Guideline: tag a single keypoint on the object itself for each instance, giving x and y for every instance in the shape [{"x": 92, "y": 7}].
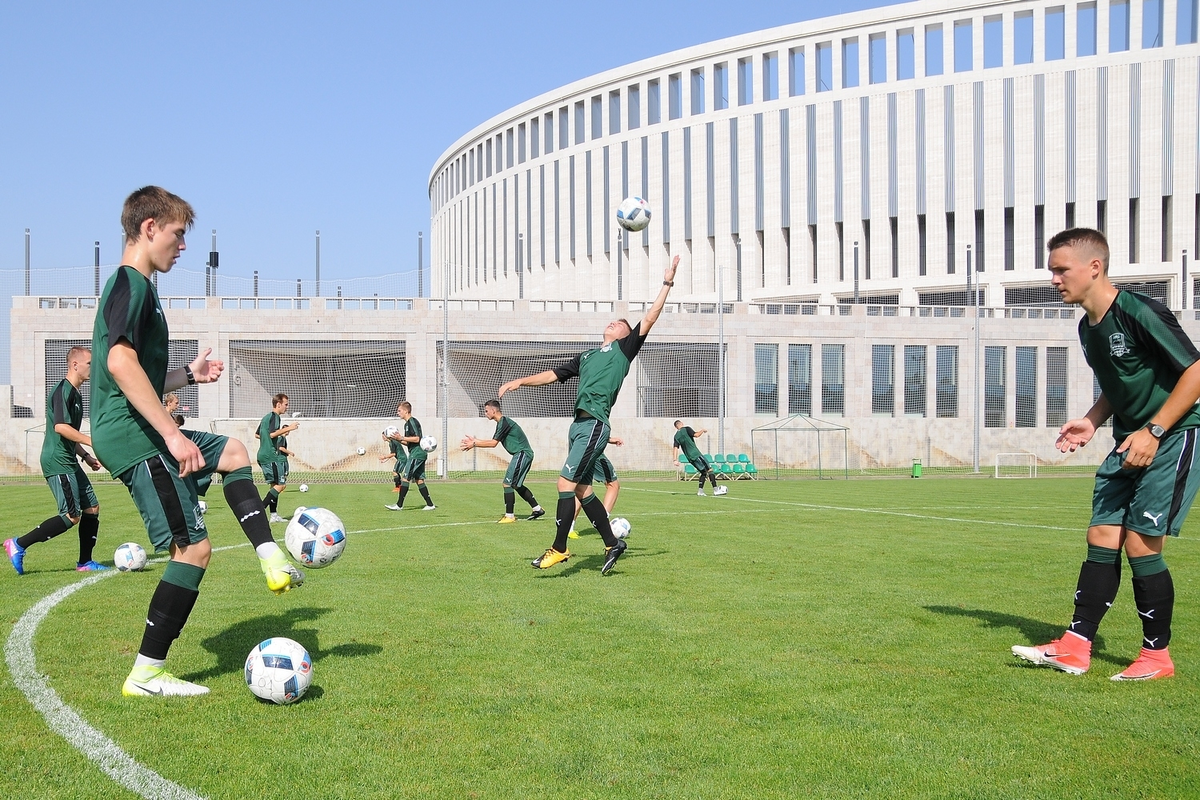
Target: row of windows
[
  {"x": 912, "y": 393},
  {"x": 529, "y": 139}
]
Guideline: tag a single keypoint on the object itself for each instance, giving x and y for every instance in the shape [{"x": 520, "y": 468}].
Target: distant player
[
  {"x": 138, "y": 441},
  {"x": 61, "y": 449},
  {"x": 273, "y": 463},
  {"x": 509, "y": 434},
  {"x": 414, "y": 469},
  {"x": 600, "y": 372},
  {"x": 685, "y": 441},
  {"x": 395, "y": 452},
  {"x": 606, "y": 473},
  {"x": 1149, "y": 376}
]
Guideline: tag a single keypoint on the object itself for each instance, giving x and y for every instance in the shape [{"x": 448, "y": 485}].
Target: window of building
[
  {"x": 580, "y": 123},
  {"x": 993, "y": 42},
  {"x": 1023, "y": 37},
  {"x": 833, "y": 379},
  {"x": 905, "y": 55},
  {"x": 1070, "y": 213},
  {"x": 597, "y": 117},
  {"x": 1010, "y": 240},
  {"x": 849, "y": 63},
  {"x": 720, "y": 86},
  {"x": 894, "y": 224},
  {"x": 487, "y": 157},
  {"x": 1152, "y": 24},
  {"x": 1134, "y": 239},
  {"x": 1185, "y": 22},
  {"x": 980, "y": 238},
  {"x": 653, "y": 103},
  {"x": 745, "y": 81},
  {"x": 1167, "y": 229},
  {"x": 1039, "y": 237},
  {"x": 964, "y": 46},
  {"x": 509, "y": 141},
  {"x": 824, "y": 67},
  {"x": 950, "y": 242},
  {"x": 1118, "y": 26},
  {"x": 877, "y": 56},
  {"x": 698, "y": 91},
  {"x": 766, "y": 379},
  {"x": 914, "y": 380},
  {"x": 549, "y": 126},
  {"x": 922, "y": 246},
  {"x": 796, "y": 73},
  {"x": 1056, "y": 387},
  {"x": 947, "y": 381},
  {"x": 675, "y": 96},
  {"x": 883, "y": 379},
  {"x": 1085, "y": 29},
  {"x": 770, "y": 76},
  {"x": 800, "y": 379},
  {"x": 564, "y": 128},
  {"x": 535, "y": 136},
  {"x": 994, "y": 388},
  {"x": 1056, "y": 33},
  {"x": 1102, "y": 216},
  {"x": 614, "y": 112},
  {"x": 634, "y": 106},
  {"x": 935, "y": 55},
  {"x": 1026, "y": 387}
]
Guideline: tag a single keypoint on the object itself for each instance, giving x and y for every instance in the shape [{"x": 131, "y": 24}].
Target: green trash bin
[{"x": 916, "y": 468}]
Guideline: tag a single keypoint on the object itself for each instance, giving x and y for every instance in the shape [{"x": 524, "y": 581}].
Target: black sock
[
  {"x": 45, "y": 532},
  {"x": 1154, "y": 596},
  {"x": 89, "y": 525},
  {"x": 527, "y": 496},
  {"x": 563, "y": 516},
  {"x": 403, "y": 492},
  {"x": 248, "y": 509},
  {"x": 598, "y": 514},
  {"x": 271, "y": 501},
  {"x": 396, "y": 481},
  {"x": 1094, "y": 593},
  {"x": 510, "y": 501},
  {"x": 425, "y": 493},
  {"x": 169, "y": 610}
]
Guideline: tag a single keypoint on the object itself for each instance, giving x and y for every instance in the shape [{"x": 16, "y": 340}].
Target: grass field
[{"x": 793, "y": 639}]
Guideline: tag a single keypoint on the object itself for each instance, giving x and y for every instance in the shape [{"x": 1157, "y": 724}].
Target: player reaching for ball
[
  {"x": 600, "y": 372},
  {"x": 509, "y": 434},
  {"x": 135, "y": 437}
]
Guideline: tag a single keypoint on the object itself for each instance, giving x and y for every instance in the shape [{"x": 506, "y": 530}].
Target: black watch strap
[{"x": 1157, "y": 431}]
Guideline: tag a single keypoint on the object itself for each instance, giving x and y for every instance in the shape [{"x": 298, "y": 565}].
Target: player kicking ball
[
  {"x": 1149, "y": 375},
  {"x": 158, "y": 463},
  {"x": 600, "y": 372}
]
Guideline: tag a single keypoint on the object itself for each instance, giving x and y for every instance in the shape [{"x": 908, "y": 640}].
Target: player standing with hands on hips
[
  {"x": 600, "y": 372},
  {"x": 1149, "y": 376}
]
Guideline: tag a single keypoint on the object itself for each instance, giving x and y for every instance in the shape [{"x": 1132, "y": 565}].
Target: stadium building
[{"x": 862, "y": 203}]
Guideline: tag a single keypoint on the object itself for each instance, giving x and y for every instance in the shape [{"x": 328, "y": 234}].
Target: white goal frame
[{"x": 1016, "y": 460}]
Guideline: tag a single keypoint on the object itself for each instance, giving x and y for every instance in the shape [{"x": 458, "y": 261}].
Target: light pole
[
  {"x": 974, "y": 292},
  {"x": 856, "y": 273},
  {"x": 720, "y": 359},
  {"x": 318, "y": 287}
]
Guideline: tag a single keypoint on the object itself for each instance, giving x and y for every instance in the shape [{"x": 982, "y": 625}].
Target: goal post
[{"x": 1016, "y": 465}]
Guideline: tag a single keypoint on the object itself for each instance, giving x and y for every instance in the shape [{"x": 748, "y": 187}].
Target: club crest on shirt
[
  {"x": 1116, "y": 345},
  {"x": 606, "y": 348}
]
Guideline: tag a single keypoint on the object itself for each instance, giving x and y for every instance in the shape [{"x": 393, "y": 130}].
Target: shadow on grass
[
  {"x": 231, "y": 645},
  {"x": 594, "y": 561},
  {"x": 1035, "y": 631}
]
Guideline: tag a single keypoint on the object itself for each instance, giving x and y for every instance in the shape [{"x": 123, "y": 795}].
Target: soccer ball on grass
[
  {"x": 130, "y": 557},
  {"x": 279, "y": 670},
  {"x": 620, "y": 527},
  {"x": 304, "y": 487},
  {"x": 633, "y": 214},
  {"x": 315, "y": 537}
]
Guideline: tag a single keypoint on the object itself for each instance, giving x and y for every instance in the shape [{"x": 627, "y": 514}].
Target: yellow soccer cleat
[{"x": 549, "y": 558}]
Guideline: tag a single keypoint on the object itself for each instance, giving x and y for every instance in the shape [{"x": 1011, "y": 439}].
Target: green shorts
[
  {"x": 604, "y": 472},
  {"x": 518, "y": 468},
  {"x": 399, "y": 466},
  {"x": 275, "y": 473},
  {"x": 1153, "y": 500},
  {"x": 73, "y": 492},
  {"x": 587, "y": 439},
  {"x": 414, "y": 468},
  {"x": 168, "y": 503},
  {"x": 699, "y": 463}
]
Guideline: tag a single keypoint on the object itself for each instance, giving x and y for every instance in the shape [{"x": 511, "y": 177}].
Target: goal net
[{"x": 1016, "y": 465}]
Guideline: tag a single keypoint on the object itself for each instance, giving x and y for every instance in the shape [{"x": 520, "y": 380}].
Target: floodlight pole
[
  {"x": 97, "y": 279},
  {"x": 443, "y": 468},
  {"x": 520, "y": 268},
  {"x": 27, "y": 262},
  {"x": 420, "y": 263},
  {"x": 975, "y": 324},
  {"x": 1183, "y": 281},
  {"x": 856, "y": 273},
  {"x": 318, "y": 287},
  {"x": 720, "y": 359}
]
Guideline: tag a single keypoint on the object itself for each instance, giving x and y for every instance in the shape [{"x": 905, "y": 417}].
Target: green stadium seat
[
  {"x": 752, "y": 472},
  {"x": 739, "y": 472},
  {"x": 682, "y": 459},
  {"x": 689, "y": 472},
  {"x": 731, "y": 458},
  {"x": 743, "y": 458},
  {"x": 715, "y": 459},
  {"x": 725, "y": 470}
]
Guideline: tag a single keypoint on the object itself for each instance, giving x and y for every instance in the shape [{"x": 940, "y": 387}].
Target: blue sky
[{"x": 277, "y": 119}]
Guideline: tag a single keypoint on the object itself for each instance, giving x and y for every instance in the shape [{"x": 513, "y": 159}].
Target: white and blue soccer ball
[
  {"x": 620, "y": 527},
  {"x": 390, "y": 431},
  {"x": 279, "y": 670},
  {"x": 633, "y": 214},
  {"x": 315, "y": 537},
  {"x": 428, "y": 444},
  {"x": 362, "y": 451},
  {"x": 304, "y": 487},
  {"x": 130, "y": 557}
]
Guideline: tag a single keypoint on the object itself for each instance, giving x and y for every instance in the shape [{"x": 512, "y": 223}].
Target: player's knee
[
  {"x": 234, "y": 456},
  {"x": 94, "y": 511},
  {"x": 71, "y": 521}
]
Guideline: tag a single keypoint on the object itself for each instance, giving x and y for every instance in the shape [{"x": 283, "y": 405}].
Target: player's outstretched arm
[
  {"x": 540, "y": 379},
  {"x": 202, "y": 369},
  {"x": 470, "y": 442},
  {"x": 656, "y": 309},
  {"x": 131, "y": 379}
]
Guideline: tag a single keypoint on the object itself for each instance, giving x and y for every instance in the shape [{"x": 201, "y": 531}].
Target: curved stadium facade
[{"x": 852, "y": 157}]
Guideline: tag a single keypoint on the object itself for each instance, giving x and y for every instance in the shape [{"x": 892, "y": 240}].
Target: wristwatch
[{"x": 1157, "y": 431}]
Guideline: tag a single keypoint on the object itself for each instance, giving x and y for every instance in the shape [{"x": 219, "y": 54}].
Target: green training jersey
[
  {"x": 128, "y": 311},
  {"x": 281, "y": 441},
  {"x": 1138, "y": 351},
  {"x": 268, "y": 448},
  {"x": 685, "y": 440},
  {"x": 601, "y": 372},
  {"x": 64, "y": 405},
  {"x": 396, "y": 449},
  {"x": 412, "y": 427},
  {"x": 511, "y": 437}
]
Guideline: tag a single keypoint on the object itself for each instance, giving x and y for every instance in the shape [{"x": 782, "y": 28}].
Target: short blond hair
[{"x": 156, "y": 203}]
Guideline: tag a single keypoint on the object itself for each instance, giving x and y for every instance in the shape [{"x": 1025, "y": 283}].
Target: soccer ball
[
  {"x": 620, "y": 527},
  {"x": 279, "y": 670},
  {"x": 304, "y": 487},
  {"x": 390, "y": 431},
  {"x": 428, "y": 444},
  {"x": 633, "y": 214},
  {"x": 315, "y": 537},
  {"x": 203, "y": 506},
  {"x": 130, "y": 557},
  {"x": 362, "y": 451}
]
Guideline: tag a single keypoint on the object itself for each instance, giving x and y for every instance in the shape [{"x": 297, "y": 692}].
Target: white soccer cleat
[
  {"x": 701, "y": 493},
  {"x": 157, "y": 682},
  {"x": 276, "y": 519},
  {"x": 720, "y": 490},
  {"x": 392, "y": 507},
  {"x": 429, "y": 507}
]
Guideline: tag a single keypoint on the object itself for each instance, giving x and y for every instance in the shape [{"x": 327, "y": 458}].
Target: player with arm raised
[
  {"x": 600, "y": 372},
  {"x": 1149, "y": 376},
  {"x": 61, "y": 450},
  {"x": 140, "y": 443},
  {"x": 685, "y": 441},
  {"x": 509, "y": 434}
]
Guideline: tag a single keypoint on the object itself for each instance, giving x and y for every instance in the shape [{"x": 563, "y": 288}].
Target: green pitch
[{"x": 812, "y": 639}]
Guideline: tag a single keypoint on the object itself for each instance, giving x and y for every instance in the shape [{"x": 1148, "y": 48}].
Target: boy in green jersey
[
  {"x": 392, "y": 435},
  {"x": 509, "y": 434},
  {"x": 414, "y": 468},
  {"x": 61, "y": 449},
  {"x": 274, "y": 464},
  {"x": 1149, "y": 376},
  {"x": 685, "y": 441},
  {"x": 159, "y": 463},
  {"x": 600, "y": 372}
]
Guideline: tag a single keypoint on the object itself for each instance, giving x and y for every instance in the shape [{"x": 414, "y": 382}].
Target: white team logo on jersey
[
  {"x": 606, "y": 348},
  {"x": 1116, "y": 345}
]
